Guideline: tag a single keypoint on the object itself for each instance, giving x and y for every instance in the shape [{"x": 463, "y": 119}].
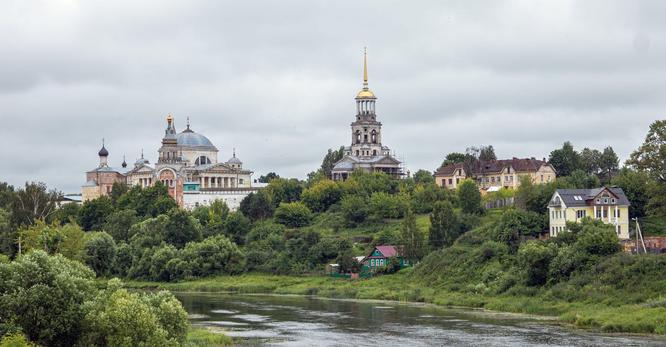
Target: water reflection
[{"x": 307, "y": 321}]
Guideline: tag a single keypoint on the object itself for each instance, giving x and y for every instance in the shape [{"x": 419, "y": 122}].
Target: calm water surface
[{"x": 308, "y": 321}]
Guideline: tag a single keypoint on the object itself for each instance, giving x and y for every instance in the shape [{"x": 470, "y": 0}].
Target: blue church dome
[{"x": 189, "y": 138}]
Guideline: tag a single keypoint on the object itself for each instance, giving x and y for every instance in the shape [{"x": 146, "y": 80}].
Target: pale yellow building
[
  {"x": 496, "y": 173},
  {"x": 609, "y": 205}
]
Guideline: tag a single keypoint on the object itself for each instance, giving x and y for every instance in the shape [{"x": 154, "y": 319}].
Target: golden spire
[
  {"x": 365, "y": 67},
  {"x": 169, "y": 118},
  {"x": 365, "y": 92}
]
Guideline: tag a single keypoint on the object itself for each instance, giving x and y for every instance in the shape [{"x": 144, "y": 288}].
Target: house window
[
  {"x": 457, "y": 180},
  {"x": 580, "y": 214},
  {"x": 492, "y": 179},
  {"x": 450, "y": 181},
  {"x": 541, "y": 178},
  {"x": 617, "y": 214},
  {"x": 598, "y": 213}
]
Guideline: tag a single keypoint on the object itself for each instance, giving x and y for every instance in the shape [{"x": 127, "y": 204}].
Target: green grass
[{"x": 205, "y": 337}]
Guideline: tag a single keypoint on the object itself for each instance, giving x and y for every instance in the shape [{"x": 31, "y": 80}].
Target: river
[{"x": 309, "y": 321}]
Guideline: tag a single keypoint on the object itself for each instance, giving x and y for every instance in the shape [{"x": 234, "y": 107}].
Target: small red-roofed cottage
[{"x": 381, "y": 257}]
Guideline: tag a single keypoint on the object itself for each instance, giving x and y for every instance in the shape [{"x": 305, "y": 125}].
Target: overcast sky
[{"x": 276, "y": 80}]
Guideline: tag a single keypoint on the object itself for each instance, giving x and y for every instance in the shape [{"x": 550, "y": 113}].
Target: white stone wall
[{"x": 231, "y": 197}]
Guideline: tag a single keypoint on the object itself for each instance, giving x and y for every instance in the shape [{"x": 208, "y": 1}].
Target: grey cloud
[{"x": 276, "y": 80}]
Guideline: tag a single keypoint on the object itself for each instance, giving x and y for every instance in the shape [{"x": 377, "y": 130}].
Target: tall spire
[{"x": 365, "y": 67}]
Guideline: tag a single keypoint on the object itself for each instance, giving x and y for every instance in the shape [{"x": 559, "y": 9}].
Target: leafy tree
[
  {"x": 314, "y": 177},
  {"x": 598, "y": 239},
  {"x": 33, "y": 202},
  {"x": 322, "y": 195},
  {"x": 444, "y": 225},
  {"x": 487, "y": 153},
  {"x": 424, "y": 176},
  {"x": 117, "y": 190},
  {"x": 330, "y": 159},
  {"x": 256, "y": 206},
  {"x": 15, "y": 340},
  {"x": 119, "y": 223},
  {"x": 67, "y": 213},
  {"x": 514, "y": 225},
  {"x": 236, "y": 226},
  {"x": 99, "y": 253},
  {"x": 384, "y": 205},
  {"x": 363, "y": 183},
  {"x": 124, "y": 257},
  {"x": 116, "y": 317},
  {"x": 578, "y": 180},
  {"x": 454, "y": 158},
  {"x": 159, "y": 269},
  {"x": 590, "y": 161},
  {"x": 469, "y": 197},
  {"x": 6, "y": 195},
  {"x": 424, "y": 197},
  {"x": 284, "y": 190},
  {"x": 635, "y": 185},
  {"x": 411, "y": 238},
  {"x": 8, "y": 235},
  {"x": 347, "y": 263},
  {"x": 67, "y": 240},
  {"x": 609, "y": 162},
  {"x": 651, "y": 155},
  {"x": 94, "y": 213},
  {"x": 354, "y": 209},
  {"x": 534, "y": 197},
  {"x": 214, "y": 255},
  {"x": 650, "y": 158},
  {"x": 150, "y": 201},
  {"x": 293, "y": 214},
  {"x": 42, "y": 295},
  {"x": 565, "y": 160},
  {"x": 534, "y": 257},
  {"x": 181, "y": 228},
  {"x": 149, "y": 233},
  {"x": 268, "y": 177}
]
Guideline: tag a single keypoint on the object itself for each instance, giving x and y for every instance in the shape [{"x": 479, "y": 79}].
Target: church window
[
  {"x": 365, "y": 137},
  {"x": 374, "y": 136},
  {"x": 357, "y": 153},
  {"x": 374, "y": 152},
  {"x": 358, "y": 136}
]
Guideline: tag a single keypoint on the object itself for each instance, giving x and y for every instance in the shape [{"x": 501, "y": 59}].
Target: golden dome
[
  {"x": 365, "y": 93},
  {"x": 169, "y": 118}
]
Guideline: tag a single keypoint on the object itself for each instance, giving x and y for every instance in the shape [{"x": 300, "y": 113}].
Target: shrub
[
  {"x": 293, "y": 214},
  {"x": 534, "y": 259},
  {"x": 214, "y": 255},
  {"x": 384, "y": 205},
  {"x": 469, "y": 197},
  {"x": 116, "y": 317},
  {"x": 322, "y": 195},
  {"x": 354, "y": 209},
  {"x": 42, "y": 295}
]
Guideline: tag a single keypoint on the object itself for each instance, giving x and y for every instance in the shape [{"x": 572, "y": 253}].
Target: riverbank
[{"x": 647, "y": 318}]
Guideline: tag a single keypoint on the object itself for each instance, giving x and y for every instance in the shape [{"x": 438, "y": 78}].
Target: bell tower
[{"x": 366, "y": 130}]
